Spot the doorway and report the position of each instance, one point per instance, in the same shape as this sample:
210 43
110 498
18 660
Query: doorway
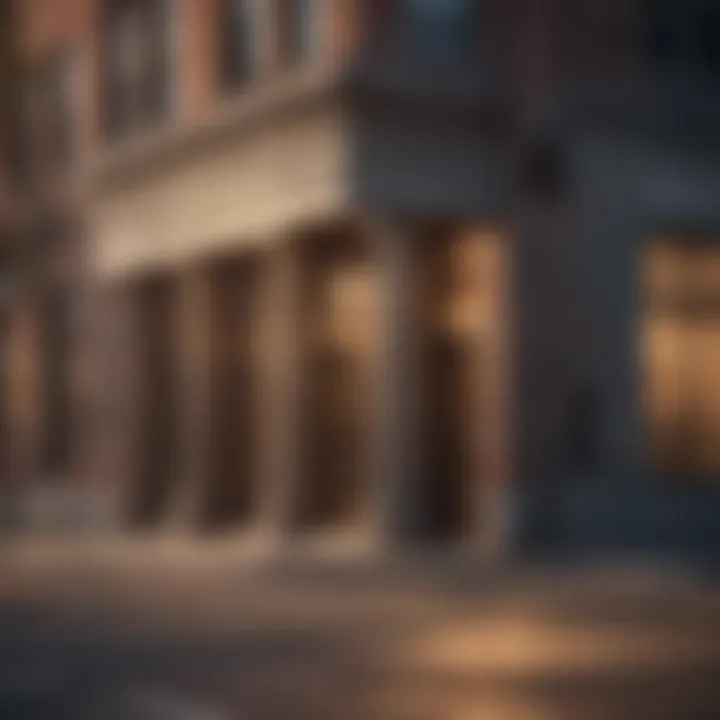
233 492
341 337
448 479
157 401
462 343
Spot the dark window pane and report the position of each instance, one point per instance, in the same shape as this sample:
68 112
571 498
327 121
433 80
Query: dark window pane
237 41
138 64
47 106
298 30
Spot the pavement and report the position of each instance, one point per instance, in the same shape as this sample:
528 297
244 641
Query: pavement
206 630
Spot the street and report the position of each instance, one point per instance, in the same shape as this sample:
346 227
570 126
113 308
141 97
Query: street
199 632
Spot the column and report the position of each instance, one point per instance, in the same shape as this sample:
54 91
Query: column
398 383
105 387
280 412
494 367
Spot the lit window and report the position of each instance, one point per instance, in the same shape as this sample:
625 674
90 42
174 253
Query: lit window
681 352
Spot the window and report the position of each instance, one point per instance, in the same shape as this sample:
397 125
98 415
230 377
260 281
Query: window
238 41
138 64
300 30
681 352
49 108
442 29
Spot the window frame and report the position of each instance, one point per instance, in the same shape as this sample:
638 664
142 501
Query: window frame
299 47
150 99
49 106
229 78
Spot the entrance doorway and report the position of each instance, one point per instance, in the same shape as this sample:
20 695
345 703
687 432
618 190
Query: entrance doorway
157 401
462 344
448 476
341 336
233 492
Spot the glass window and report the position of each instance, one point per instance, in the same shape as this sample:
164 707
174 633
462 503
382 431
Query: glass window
681 351
300 30
49 105
138 64
238 34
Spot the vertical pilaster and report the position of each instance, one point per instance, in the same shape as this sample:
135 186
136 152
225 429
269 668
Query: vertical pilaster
105 385
492 427
397 406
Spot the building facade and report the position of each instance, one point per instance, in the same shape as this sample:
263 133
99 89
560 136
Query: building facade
405 270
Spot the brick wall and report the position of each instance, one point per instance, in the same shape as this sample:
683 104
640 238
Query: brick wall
535 41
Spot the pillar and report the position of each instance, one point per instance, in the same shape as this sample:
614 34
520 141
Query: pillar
398 383
280 408
105 386
493 423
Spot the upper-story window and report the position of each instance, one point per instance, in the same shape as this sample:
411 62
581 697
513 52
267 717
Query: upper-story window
49 113
239 35
444 30
685 37
300 30
139 64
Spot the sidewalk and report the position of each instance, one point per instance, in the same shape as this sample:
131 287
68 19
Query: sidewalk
173 629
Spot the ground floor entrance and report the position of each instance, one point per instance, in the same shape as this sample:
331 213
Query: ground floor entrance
155 462
340 322
388 384
462 333
232 494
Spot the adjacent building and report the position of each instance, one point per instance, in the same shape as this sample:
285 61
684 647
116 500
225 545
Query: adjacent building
409 270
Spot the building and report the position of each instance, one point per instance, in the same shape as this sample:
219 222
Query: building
411 270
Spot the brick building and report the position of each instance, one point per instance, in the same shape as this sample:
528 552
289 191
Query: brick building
410 270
